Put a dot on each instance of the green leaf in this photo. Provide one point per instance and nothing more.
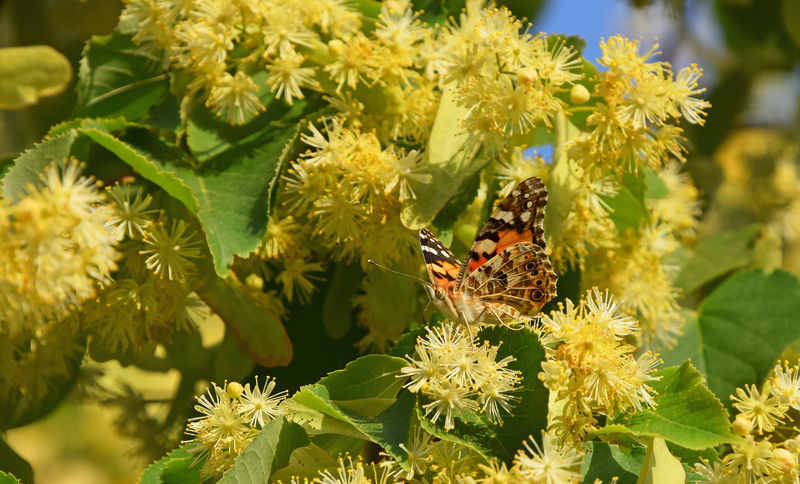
(458, 203)
(31, 72)
(267, 453)
(656, 188)
(686, 412)
(660, 466)
(628, 205)
(530, 414)
(232, 189)
(688, 347)
(259, 332)
(29, 165)
(181, 471)
(716, 256)
(392, 299)
(152, 475)
(370, 376)
(564, 184)
(147, 166)
(7, 478)
(362, 395)
(337, 308)
(606, 461)
(18, 409)
(406, 344)
(13, 463)
(116, 78)
(745, 323)
(449, 160)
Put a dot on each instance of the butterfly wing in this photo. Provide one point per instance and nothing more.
(443, 267)
(518, 218)
(514, 284)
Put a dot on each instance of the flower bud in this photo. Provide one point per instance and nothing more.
(336, 47)
(579, 94)
(253, 281)
(527, 75)
(742, 425)
(784, 460)
(234, 389)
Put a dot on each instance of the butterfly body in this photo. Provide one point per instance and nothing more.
(506, 274)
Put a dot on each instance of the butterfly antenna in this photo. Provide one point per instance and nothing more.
(395, 272)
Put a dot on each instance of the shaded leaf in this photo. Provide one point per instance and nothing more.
(14, 464)
(365, 387)
(116, 78)
(232, 190)
(688, 346)
(259, 332)
(337, 308)
(31, 72)
(628, 205)
(147, 166)
(606, 461)
(367, 377)
(790, 14)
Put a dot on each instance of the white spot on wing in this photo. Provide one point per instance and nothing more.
(504, 216)
(484, 245)
(525, 216)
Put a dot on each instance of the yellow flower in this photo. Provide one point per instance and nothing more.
(169, 250)
(762, 408)
(548, 463)
(56, 247)
(297, 278)
(286, 77)
(131, 217)
(234, 98)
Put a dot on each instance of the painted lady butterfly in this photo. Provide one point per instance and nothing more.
(506, 274)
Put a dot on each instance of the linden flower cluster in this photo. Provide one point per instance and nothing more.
(638, 98)
(590, 367)
(56, 251)
(437, 461)
(347, 182)
(456, 376)
(506, 77)
(150, 299)
(548, 463)
(769, 449)
(231, 416)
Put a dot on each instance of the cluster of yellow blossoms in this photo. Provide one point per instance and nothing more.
(230, 416)
(456, 376)
(769, 448)
(75, 261)
(56, 250)
(590, 368)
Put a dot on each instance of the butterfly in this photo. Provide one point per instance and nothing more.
(506, 274)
